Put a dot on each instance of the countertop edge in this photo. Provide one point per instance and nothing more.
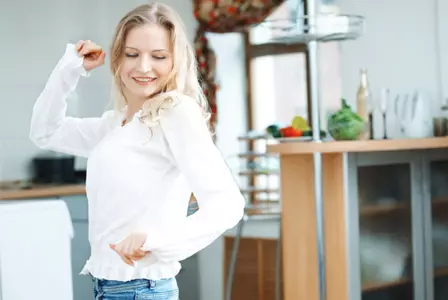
(43, 192)
(288, 148)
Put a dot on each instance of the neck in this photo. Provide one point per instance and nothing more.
(133, 107)
(134, 104)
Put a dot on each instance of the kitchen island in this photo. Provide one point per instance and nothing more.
(373, 191)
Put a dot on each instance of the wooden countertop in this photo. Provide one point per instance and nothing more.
(358, 146)
(13, 190)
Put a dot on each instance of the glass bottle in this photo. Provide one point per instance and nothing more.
(364, 98)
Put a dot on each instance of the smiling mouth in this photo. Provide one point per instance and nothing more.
(144, 80)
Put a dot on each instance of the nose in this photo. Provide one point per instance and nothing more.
(144, 64)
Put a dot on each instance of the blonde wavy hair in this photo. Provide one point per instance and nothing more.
(183, 78)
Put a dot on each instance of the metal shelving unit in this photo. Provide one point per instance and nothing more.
(258, 164)
(318, 28)
(310, 30)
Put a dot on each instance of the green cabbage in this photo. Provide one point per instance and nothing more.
(345, 124)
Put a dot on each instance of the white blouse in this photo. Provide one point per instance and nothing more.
(140, 178)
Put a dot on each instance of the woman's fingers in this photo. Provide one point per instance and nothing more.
(126, 259)
(138, 254)
(91, 49)
(93, 54)
(102, 58)
(129, 248)
(87, 48)
(129, 256)
(79, 45)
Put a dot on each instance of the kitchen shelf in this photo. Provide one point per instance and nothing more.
(259, 190)
(371, 287)
(258, 167)
(256, 154)
(317, 28)
(268, 208)
(253, 137)
(379, 209)
(258, 172)
(267, 200)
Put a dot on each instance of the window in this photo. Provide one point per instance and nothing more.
(277, 75)
(279, 89)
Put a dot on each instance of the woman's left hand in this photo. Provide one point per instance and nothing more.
(129, 248)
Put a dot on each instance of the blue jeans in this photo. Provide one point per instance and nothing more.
(138, 289)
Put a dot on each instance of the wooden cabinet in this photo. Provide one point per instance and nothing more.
(255, 268)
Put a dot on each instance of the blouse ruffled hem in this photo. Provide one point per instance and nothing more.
(126, 273)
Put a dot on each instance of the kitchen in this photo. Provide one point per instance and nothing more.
(398, 52)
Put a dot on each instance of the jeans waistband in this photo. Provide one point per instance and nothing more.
(111, 286)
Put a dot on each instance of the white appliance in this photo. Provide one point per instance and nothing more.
(416, 116)
(35, 250)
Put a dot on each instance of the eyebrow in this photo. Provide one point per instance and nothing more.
(155, 50)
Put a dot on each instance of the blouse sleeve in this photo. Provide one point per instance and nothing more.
(50, 127)
(220, 200)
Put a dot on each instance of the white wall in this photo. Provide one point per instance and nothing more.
(33, 45)
(399, 47)
(441, 8)
(34, 36)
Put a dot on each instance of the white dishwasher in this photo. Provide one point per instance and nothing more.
(35, 255)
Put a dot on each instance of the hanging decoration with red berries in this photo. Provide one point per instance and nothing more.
(223, 16)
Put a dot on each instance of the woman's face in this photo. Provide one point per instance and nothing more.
(147, 61)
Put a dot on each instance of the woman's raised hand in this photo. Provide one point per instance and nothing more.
(93, 54)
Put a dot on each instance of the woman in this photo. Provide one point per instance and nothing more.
(145, 157)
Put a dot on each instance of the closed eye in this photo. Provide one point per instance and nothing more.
(159, 57)
(131, 55)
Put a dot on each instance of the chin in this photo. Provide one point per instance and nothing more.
(145, 94)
